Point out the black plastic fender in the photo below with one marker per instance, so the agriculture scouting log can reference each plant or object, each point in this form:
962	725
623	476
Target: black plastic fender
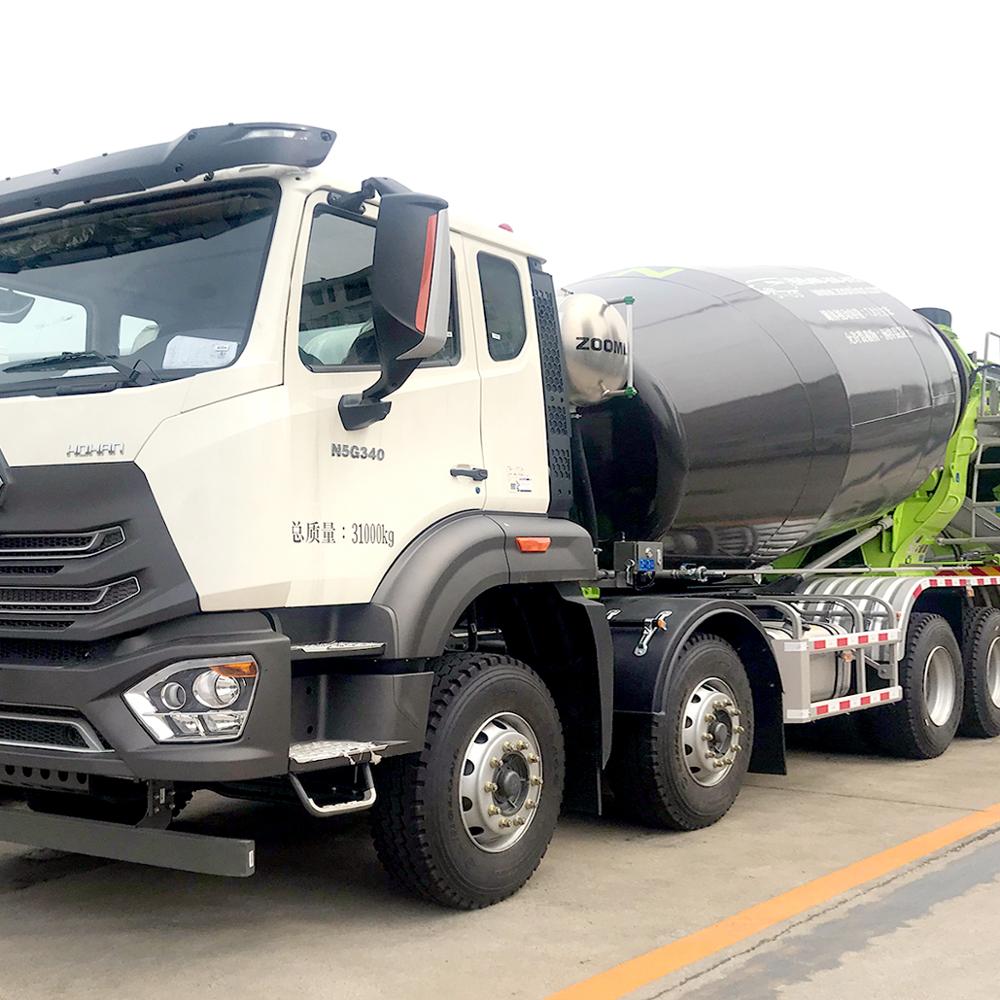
446	568
641	678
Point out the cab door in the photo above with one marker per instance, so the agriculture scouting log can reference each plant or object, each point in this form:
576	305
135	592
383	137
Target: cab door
360	497
515	450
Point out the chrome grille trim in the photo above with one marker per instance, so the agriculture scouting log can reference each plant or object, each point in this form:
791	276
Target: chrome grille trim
67	601
49	546
85	731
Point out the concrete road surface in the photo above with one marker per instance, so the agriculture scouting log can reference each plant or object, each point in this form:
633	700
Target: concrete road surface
320	920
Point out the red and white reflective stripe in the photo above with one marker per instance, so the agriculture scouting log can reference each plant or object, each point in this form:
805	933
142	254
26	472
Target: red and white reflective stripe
835	706
850	641
969	578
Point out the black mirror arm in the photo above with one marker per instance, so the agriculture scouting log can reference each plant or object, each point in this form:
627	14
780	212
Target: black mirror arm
362	409
357	412
369	188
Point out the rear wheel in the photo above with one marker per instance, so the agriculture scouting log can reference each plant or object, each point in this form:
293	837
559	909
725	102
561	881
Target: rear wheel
466	822
683	768
981	657
924	723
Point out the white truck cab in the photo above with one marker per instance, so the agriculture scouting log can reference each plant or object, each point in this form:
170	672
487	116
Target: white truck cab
267	440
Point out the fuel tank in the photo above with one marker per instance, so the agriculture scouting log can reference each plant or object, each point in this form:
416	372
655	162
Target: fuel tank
776	407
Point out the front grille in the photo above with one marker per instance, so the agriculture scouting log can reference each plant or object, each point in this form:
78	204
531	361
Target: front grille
66	600
54	653
48	546
34	733
48	733
47	624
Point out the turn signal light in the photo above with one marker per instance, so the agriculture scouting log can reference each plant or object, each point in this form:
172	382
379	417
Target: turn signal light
238	668
533	543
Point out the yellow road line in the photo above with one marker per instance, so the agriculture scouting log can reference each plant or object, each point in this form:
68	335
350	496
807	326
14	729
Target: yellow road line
637	972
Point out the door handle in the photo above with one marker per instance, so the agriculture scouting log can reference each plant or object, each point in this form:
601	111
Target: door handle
478	475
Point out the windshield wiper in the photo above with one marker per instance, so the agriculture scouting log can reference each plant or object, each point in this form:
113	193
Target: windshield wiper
68	359
85	359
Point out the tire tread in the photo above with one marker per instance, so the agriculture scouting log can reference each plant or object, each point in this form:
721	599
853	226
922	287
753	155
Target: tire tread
398	819
642	789
978	719
897	729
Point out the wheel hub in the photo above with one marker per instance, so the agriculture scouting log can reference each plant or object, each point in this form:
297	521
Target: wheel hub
501	782
993	672
710	731
939	685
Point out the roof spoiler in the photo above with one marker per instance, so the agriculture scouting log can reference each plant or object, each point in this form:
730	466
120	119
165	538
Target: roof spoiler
200	151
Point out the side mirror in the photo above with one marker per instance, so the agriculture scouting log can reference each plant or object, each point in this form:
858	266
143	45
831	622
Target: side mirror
411	291
14	306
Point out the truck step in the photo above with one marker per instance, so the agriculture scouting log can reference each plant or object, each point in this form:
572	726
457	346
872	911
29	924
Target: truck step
333	751
366	801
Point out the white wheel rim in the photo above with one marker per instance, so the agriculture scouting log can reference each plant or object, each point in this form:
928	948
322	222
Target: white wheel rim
993	672
939	685
501	782
711	728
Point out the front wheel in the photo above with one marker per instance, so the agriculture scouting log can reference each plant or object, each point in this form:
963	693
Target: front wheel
683	768
466	822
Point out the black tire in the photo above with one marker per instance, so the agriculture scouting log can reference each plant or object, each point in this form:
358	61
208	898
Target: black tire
417	825
905	728
980	636
648	769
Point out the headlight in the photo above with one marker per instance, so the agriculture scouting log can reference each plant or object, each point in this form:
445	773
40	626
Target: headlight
196	699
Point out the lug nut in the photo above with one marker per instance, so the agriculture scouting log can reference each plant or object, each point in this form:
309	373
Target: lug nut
507	745
537	782
741	730
490	786
532	758
522	745
493	810
495	762
710	717
529	804
519	821
505	823
707	737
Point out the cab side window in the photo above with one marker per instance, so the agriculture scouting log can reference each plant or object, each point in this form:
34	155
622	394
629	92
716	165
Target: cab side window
503	306
335	315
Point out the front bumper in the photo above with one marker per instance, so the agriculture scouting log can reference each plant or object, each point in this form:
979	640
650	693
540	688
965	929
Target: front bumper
90	684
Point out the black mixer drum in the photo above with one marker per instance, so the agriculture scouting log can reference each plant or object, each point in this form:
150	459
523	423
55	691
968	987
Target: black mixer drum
776	407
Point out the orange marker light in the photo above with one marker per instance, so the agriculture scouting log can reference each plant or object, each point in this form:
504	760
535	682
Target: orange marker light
238	668
533	543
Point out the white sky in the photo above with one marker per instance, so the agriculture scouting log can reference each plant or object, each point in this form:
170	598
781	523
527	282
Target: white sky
861	136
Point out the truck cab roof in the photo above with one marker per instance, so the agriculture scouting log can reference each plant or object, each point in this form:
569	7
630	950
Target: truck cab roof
200	153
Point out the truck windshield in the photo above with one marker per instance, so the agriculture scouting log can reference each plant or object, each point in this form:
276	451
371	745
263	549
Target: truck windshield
140	291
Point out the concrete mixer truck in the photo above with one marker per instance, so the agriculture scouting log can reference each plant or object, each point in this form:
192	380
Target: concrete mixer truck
312	494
